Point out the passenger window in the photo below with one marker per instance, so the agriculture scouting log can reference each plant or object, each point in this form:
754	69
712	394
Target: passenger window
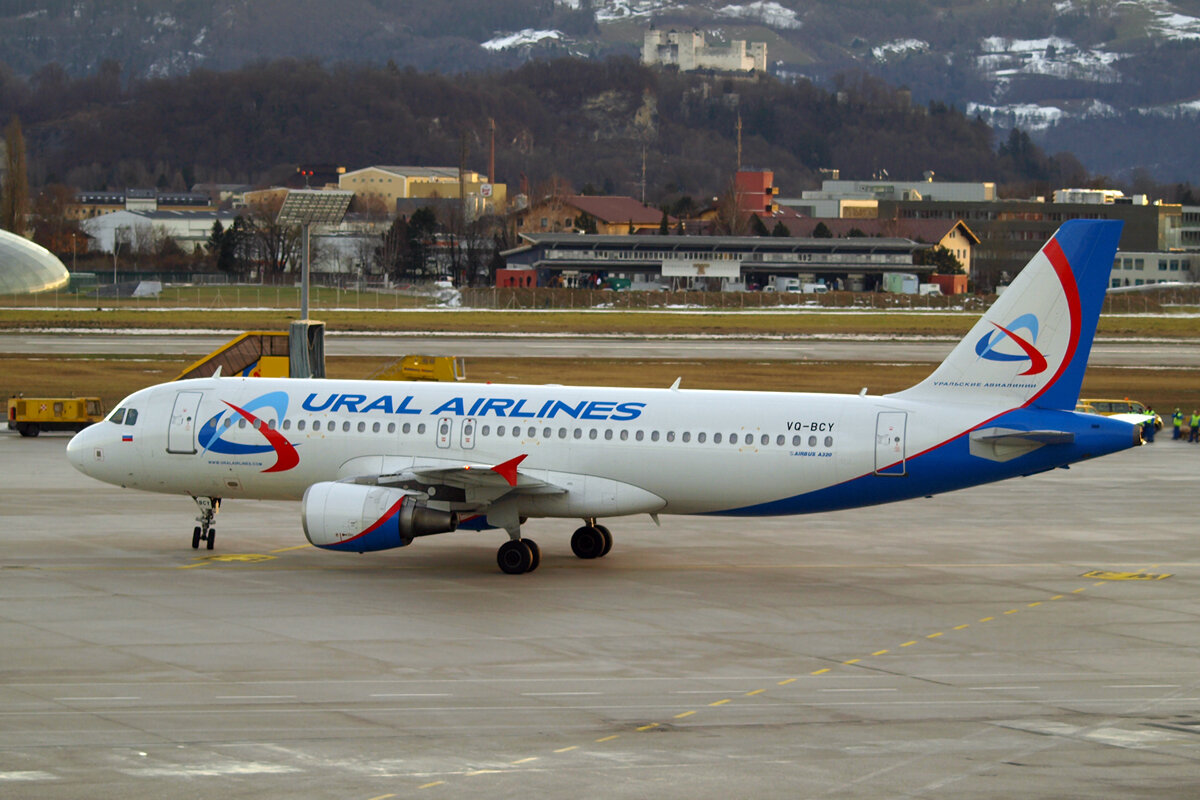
346	426
562	433
593	433
608	434
779	440
300	425
271	424
687	437
733	438
391	427
812	441
118	416
407	427
242	422
670	436
517	432
228	422
624	436
287	424
749	438
700	438
795	441
716	438
499	430
765	440
420	428
578	433
131	416
640	435
362	427
654	436
375	428
484	431
546	433
829	441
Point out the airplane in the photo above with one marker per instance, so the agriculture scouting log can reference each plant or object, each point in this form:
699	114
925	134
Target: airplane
377	464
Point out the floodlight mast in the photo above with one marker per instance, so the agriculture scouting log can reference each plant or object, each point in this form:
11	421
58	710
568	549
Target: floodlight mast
308	207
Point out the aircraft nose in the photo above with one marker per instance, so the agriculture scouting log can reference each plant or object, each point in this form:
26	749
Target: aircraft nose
83	450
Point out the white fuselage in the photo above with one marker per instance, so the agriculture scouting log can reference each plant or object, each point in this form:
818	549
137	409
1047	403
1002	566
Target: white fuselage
685	452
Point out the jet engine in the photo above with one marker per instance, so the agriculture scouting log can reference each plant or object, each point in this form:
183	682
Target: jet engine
358	518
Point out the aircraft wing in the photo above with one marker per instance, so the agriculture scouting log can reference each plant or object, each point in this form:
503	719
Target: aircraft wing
465	485
484	476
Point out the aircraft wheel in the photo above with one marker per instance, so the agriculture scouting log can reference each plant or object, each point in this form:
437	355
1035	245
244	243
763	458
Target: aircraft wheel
212	537
196	538
608	540
587	542
514	557
535	552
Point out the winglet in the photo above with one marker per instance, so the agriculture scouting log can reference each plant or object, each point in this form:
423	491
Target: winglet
508	470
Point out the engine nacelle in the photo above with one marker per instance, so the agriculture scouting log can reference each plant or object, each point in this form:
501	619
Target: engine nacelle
357	518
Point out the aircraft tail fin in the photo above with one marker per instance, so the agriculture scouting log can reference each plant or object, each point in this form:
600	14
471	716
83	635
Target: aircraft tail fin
1032	346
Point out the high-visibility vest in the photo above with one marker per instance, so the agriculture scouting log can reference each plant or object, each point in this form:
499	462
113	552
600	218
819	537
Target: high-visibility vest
1177	418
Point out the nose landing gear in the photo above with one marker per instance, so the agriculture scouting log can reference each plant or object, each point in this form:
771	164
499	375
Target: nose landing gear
205	532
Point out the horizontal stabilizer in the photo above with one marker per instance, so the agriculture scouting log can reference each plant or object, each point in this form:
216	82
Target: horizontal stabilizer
1005	444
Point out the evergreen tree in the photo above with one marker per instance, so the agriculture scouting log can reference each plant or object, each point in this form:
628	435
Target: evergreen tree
780	230
664	227
821	231
757	228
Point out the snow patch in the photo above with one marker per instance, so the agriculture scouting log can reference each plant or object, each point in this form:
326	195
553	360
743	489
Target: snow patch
1027	116
1053	55
897	46
628	9
1168	23
527	36
768	13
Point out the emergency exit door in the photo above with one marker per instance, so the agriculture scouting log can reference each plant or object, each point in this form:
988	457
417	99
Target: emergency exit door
181	430
889	443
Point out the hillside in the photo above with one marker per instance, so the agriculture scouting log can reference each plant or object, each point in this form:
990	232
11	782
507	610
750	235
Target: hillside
1099	77
585	121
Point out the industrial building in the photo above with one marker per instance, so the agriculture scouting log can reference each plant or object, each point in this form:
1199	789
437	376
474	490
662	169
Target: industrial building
713	262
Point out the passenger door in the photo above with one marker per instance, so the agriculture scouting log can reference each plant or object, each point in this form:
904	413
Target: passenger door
181	430
889	443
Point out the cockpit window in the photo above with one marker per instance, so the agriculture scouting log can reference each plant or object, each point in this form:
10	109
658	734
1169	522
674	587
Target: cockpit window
118	416
131	416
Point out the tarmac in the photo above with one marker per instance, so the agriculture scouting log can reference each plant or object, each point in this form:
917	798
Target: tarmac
895	349
1034	638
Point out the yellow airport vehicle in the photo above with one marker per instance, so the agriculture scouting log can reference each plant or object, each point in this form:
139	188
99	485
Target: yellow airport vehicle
423	368
1107	408
29	416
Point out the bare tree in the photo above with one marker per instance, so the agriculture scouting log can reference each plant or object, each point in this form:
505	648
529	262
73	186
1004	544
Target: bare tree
276	245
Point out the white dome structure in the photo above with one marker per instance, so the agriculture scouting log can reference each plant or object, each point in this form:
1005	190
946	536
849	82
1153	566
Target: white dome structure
26	267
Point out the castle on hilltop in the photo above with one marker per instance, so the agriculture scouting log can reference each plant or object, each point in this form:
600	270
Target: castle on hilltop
689	51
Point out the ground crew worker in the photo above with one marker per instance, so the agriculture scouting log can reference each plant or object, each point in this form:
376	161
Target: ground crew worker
1148	428
1177	421
1194	422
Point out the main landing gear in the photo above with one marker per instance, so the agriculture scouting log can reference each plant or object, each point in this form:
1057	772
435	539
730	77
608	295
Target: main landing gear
517	556
205	532
592	540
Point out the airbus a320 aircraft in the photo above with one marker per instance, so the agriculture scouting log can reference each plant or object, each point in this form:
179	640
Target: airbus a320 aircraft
377	464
